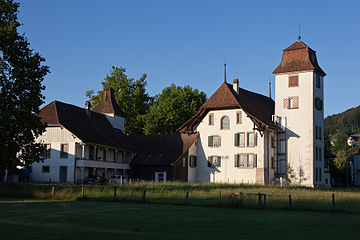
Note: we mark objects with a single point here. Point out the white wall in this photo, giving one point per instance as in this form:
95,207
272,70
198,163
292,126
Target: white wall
56,136
301,124
227,172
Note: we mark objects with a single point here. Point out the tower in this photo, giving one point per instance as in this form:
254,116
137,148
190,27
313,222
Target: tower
299,96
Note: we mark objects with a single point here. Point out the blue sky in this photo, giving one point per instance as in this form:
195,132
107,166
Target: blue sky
184,42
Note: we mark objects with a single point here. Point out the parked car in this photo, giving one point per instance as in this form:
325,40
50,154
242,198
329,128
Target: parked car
91,179
117,179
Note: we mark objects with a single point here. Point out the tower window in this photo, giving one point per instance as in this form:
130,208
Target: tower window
293,102
318,103
294,81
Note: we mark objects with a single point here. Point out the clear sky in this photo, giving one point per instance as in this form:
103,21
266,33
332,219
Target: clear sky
184,42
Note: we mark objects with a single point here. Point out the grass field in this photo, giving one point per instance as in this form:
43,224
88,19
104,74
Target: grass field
211,195
118,220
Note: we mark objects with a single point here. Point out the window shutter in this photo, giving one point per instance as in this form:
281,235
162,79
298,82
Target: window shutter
255,160
219,161
209,161
235,160
286,103
210,141
236,143
255,139
247,160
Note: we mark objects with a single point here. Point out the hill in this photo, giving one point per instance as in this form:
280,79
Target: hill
347,122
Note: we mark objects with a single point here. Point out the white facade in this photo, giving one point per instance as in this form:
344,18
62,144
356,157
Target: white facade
228,171
77,160
304,134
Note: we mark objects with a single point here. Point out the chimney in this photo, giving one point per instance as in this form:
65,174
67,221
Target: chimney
88,105
87,108
236,85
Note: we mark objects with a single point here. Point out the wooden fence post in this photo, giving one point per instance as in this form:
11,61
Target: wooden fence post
259,200
144,196
83,192
333,201
187,198
53,191
290,202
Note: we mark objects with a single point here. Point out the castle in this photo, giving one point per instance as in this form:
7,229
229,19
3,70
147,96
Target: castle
237,136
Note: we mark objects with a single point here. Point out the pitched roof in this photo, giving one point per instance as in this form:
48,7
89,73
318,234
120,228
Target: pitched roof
89,126
299,57
161,150
108,104
258,108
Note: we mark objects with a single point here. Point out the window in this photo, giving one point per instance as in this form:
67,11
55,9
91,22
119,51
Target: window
64,149
320,133
316,175
211,119
282,147
91,152
273,164
272,141
320,174
316,153
294,81
251,160
225,122
160,176
184,162
214,141
252,139
239,160
318,104
317,79
45,169
214,161
316,132
193,161
238,118
291,103
47,151
239,140
320,156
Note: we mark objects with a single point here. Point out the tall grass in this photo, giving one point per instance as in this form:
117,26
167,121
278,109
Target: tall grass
199,194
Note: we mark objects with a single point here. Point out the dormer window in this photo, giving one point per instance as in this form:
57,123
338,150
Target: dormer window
225,122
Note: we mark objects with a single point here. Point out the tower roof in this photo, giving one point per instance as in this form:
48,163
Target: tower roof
299,57
108,104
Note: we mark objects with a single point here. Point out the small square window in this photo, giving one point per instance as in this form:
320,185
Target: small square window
238,118
45,169
294,81
193,161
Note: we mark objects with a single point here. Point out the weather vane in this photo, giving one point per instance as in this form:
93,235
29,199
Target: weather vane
299,31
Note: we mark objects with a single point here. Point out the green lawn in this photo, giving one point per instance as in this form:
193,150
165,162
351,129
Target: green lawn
117,220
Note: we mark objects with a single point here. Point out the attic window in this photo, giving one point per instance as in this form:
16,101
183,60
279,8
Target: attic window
211,119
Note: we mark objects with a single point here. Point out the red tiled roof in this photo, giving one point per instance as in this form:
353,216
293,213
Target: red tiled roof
161,150
90,128
299,57
108,104
258,107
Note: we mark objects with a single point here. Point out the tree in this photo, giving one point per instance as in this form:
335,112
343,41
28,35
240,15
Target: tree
21,76
170,109
131,96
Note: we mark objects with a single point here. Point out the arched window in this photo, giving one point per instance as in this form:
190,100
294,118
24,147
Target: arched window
225,122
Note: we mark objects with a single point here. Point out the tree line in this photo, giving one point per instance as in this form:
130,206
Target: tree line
160,114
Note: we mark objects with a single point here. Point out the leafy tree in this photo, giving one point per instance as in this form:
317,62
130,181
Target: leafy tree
172,108
21,76
131,96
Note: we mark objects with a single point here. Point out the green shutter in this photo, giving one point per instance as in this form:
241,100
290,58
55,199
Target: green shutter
255,160
219,161
210,141
236,140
